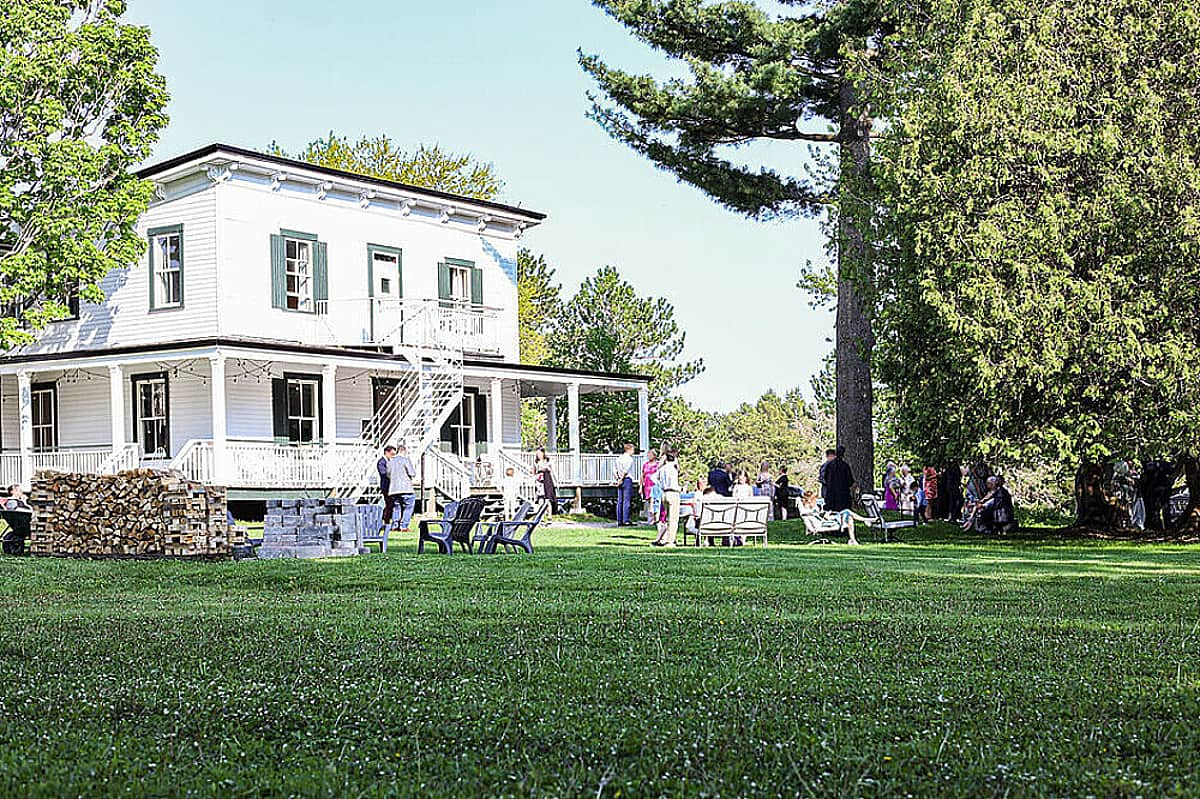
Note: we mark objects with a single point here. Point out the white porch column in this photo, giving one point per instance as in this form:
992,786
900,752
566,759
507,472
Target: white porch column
643,419
116,406
220,433
25,411
552,424
573,431
496,397
329,419
329,403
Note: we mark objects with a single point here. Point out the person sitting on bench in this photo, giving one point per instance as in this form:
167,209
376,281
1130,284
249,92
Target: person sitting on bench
996,513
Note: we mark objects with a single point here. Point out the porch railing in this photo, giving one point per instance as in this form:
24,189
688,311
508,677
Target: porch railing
472,328
444,472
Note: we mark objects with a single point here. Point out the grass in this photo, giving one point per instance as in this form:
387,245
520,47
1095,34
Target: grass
944,666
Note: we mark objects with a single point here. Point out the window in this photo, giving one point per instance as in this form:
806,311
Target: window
460,284
385,285
166,267
151,414
298,271
385,266
44,400
302,410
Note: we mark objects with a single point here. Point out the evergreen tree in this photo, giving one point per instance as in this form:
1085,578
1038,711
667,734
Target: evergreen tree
1041,177
755,77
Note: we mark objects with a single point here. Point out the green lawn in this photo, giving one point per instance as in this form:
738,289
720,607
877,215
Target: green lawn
945,666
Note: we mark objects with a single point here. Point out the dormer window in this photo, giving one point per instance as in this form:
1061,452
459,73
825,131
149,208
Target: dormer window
166,267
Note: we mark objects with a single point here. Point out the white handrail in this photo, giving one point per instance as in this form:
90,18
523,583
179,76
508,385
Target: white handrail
444,473
527,484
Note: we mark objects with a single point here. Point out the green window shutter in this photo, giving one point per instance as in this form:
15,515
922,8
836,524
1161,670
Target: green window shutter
444,283
279,407
476,286
182,267
481,419
278,274
320,275
152,281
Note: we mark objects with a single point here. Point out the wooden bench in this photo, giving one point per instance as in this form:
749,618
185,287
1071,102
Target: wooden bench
724,517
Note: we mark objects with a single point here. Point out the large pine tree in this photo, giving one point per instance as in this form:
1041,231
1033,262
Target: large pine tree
757,76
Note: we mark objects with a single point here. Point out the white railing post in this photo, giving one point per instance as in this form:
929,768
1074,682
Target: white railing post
329,419
551,424
220,433
497,427
25,415
643,419
116,407
573,431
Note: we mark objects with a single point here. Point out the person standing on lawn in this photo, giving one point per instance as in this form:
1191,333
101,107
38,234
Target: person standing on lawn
544,472
400,485
381,466
668,481
823,474
782,495
839,482
720,481
649,468
624,474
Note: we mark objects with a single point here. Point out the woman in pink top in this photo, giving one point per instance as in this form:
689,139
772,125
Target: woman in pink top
649,469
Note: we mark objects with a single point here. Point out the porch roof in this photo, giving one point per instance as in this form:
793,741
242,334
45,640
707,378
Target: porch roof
535,380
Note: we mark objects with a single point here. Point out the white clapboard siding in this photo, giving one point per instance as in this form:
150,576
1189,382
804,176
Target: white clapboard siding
353,405
512,414
125,318
251,212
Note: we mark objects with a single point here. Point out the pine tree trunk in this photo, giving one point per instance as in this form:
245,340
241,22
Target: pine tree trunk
855,339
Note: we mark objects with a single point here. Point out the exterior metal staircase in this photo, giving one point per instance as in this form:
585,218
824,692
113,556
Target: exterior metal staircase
421,400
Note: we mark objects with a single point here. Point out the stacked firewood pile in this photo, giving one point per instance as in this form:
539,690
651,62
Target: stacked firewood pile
139,513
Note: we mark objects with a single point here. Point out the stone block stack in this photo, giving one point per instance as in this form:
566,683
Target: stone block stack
310,528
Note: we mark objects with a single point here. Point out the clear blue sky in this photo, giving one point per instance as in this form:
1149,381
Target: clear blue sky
499,79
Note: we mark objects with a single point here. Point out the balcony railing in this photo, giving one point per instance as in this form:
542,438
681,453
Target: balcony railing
471,328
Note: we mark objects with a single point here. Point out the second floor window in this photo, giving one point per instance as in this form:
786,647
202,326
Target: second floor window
166,267
460,283
299,272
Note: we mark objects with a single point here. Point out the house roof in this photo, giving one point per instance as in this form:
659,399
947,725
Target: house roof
217,148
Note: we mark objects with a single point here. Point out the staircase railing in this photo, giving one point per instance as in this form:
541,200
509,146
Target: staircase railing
527,484
421,401
445,473
122,458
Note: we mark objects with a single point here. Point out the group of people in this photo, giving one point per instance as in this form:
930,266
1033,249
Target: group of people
1145,493
968,495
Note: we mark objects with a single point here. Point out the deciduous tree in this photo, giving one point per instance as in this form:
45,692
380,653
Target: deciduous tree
428,166
80,104
760,77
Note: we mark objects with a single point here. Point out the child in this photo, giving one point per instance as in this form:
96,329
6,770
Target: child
919,502
508,486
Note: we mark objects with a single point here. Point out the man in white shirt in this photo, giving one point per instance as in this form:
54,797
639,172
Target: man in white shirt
400,486
668,480
624,477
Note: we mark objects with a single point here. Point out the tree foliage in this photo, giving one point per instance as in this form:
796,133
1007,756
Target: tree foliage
757,76
429,167
80,104
608,327
1042,185
538,303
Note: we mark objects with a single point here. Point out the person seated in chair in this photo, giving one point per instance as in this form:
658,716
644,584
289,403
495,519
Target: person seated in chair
996,513
844,518
16,499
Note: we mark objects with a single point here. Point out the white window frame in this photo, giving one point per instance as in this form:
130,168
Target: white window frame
302,271
41,426
460,285
153,383
168,276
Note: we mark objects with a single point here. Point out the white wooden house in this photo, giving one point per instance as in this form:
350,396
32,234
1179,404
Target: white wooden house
286,322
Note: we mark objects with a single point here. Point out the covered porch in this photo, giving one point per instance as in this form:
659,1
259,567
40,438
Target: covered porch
275,419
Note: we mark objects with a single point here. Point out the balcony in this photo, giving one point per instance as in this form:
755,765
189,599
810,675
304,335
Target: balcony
475,329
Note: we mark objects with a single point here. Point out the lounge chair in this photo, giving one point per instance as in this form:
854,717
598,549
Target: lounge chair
875,518
457,527
19,521
517,534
